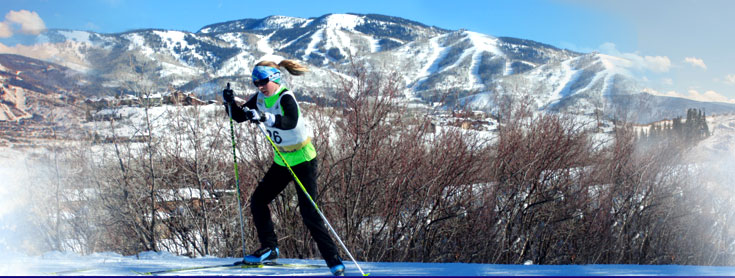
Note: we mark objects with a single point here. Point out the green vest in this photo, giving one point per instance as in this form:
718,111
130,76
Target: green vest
295,152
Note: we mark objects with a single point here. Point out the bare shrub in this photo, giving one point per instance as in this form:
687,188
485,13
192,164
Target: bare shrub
394,186
396,189
538,167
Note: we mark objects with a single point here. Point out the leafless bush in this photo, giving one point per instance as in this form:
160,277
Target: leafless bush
395,188
538,196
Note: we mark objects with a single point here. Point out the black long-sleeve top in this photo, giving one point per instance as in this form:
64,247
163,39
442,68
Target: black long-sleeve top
287,121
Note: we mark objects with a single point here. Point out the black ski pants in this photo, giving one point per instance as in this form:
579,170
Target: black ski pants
275,181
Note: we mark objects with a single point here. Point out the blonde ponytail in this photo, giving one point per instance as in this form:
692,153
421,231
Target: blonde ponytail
292,66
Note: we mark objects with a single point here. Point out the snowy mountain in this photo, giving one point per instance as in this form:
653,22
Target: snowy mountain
468,61
586,84
329,38
578,85
437,65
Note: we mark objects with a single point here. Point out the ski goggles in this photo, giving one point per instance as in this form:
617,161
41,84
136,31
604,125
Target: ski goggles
261,82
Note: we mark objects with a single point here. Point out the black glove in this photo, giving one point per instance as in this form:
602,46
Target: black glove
260,117
228,95
253,116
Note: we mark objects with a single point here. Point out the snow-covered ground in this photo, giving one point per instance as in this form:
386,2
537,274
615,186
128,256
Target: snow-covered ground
722,142
16,235
115,264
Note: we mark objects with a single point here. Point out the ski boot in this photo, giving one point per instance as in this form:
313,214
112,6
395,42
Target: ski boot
335,265
262,255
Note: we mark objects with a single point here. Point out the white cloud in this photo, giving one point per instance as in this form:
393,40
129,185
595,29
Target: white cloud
730,79
708,96
38,51
667,81
656,64
711,96
5,31
695,62
30,23
666,94
49,52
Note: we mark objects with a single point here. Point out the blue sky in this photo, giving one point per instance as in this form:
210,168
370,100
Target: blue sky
679,47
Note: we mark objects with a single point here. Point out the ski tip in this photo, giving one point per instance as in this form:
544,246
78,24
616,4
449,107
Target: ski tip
150,273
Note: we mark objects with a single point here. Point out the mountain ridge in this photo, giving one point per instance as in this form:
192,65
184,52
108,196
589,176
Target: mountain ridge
433,61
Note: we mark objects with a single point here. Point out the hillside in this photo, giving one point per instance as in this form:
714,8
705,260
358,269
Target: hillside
437,66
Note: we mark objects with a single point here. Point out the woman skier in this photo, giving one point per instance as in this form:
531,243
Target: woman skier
275,106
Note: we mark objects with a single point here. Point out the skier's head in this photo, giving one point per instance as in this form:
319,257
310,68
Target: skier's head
266,71
267,74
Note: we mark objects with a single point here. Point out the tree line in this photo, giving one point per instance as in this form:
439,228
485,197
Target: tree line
689,131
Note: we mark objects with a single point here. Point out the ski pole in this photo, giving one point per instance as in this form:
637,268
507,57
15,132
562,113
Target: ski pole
237,176
262,129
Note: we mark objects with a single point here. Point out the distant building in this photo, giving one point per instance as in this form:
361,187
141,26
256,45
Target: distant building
128,100
156,99
151,99
181,98
100,102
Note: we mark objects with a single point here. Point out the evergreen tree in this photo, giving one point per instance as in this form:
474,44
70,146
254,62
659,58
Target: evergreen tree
678,127
690,126
705,127
691,131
